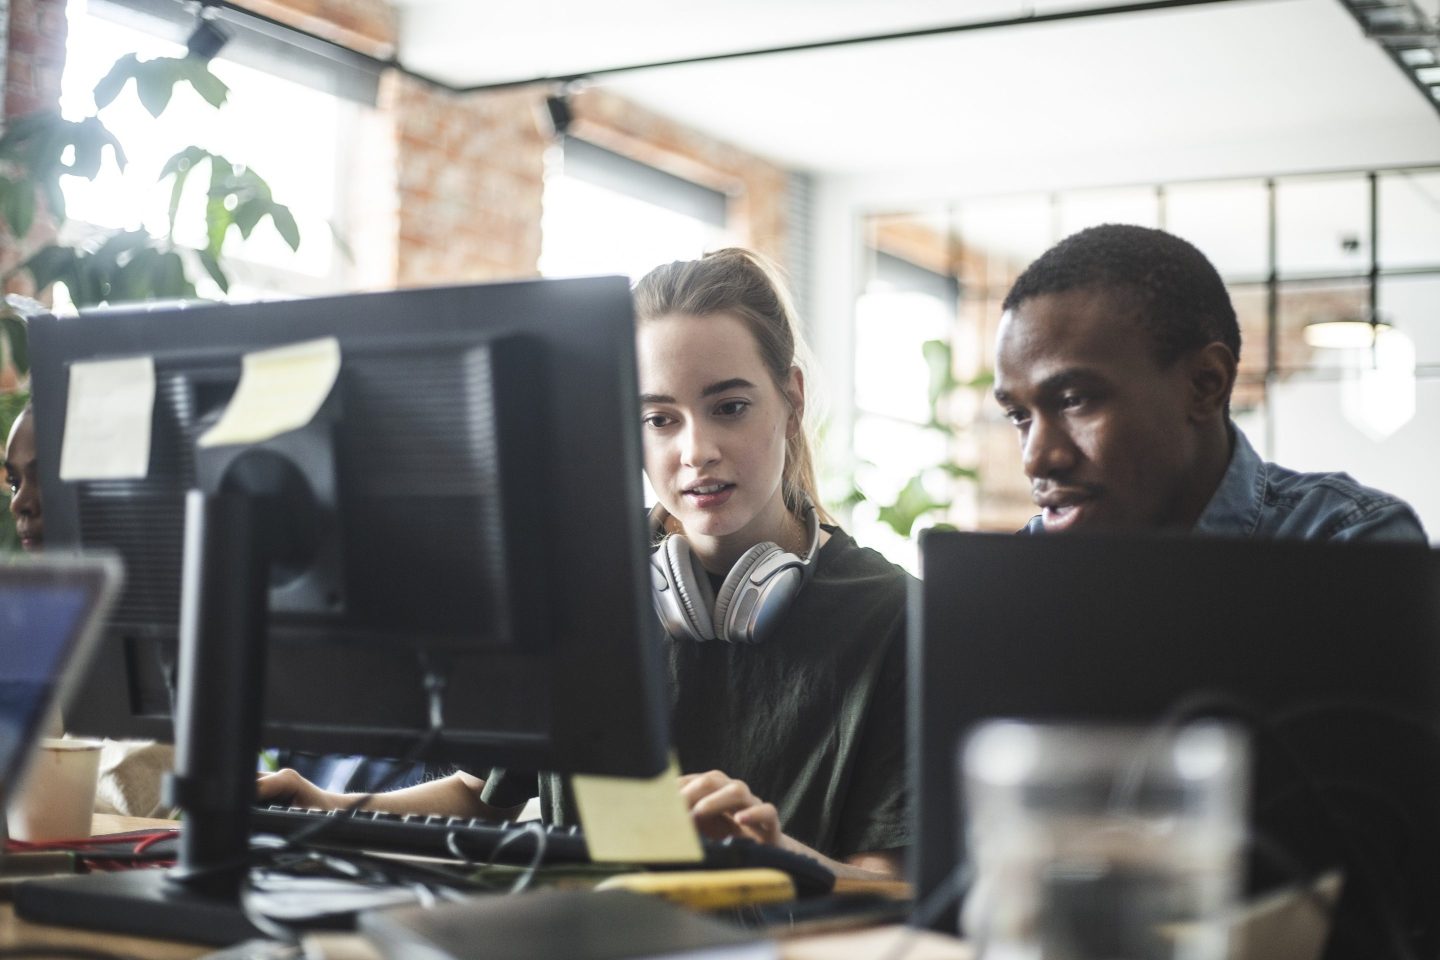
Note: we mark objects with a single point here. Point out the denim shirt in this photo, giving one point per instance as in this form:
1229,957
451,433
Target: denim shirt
1259,499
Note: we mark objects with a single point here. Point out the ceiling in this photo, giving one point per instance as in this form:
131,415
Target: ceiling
1268,84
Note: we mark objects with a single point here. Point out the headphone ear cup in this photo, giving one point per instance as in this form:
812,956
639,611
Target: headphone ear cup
692,587
732,589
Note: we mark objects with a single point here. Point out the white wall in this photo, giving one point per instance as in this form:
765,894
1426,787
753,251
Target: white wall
1312,433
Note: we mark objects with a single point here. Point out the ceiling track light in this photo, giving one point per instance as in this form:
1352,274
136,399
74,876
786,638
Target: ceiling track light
1408,36
209,35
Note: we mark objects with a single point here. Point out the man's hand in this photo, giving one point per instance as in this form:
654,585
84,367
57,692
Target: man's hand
287,786
724,807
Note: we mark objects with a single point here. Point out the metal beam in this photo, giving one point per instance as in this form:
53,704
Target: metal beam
1403,26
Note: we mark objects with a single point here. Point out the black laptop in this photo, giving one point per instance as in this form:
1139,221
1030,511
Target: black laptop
51,611
1328,654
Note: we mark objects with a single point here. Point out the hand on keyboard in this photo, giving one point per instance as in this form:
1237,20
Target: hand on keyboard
724,807
288,787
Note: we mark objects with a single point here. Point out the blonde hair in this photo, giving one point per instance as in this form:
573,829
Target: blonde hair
742,284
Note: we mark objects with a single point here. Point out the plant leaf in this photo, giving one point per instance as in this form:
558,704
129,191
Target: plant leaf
17,205
94,276
170,276
49,264
118,244
284,222
90,138
912,503
248,213
217,223
180,166
54,199
154,87
135,280
959,472
209,86
940,359
212,267
17,334
184,161
113,82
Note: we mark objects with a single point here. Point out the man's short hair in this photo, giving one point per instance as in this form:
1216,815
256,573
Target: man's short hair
1180,297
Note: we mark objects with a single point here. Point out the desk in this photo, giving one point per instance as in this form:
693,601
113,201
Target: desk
15,932
859,945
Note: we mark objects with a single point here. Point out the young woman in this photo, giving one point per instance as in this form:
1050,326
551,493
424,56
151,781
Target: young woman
803,733
797,739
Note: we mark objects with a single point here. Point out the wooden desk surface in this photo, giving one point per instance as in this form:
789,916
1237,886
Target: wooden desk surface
859,944
16,932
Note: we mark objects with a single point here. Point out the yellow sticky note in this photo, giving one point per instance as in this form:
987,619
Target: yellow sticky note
636,821
108,411
280,390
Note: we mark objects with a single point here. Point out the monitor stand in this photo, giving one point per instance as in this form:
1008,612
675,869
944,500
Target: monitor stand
223,613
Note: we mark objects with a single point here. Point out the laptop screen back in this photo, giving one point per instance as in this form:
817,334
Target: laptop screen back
1336,647
49,613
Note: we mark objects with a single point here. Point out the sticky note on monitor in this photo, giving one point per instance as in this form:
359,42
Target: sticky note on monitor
636,821
280,390
108,412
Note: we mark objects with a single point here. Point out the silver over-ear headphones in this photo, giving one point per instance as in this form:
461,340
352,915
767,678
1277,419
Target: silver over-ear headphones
755,595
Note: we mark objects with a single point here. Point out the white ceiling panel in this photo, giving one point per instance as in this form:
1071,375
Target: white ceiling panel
1198,78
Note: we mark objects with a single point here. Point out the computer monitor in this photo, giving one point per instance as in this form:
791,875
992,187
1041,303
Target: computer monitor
1336,648
463,515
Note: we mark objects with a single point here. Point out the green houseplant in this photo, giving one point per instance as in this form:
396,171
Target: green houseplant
38,150
931,491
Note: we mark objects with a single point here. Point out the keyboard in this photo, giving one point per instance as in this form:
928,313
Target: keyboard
486,841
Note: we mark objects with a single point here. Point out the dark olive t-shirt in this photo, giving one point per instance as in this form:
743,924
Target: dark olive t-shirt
813,719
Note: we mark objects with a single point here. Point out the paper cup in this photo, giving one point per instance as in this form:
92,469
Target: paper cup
58,798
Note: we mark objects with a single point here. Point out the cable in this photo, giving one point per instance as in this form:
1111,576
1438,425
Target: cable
1354,856
950,891
434,684
300,846
527,876
542,838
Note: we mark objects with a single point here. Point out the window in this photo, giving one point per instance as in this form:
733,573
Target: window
904,306
605,213
288,132
1301,245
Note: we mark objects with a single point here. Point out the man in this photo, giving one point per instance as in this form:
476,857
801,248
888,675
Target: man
22,477
131,771
1115,359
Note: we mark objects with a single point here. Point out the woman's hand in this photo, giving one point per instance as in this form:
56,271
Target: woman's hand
287,786
724,807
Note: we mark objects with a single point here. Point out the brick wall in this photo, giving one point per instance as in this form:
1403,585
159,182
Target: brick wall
36,56
34,60
469,173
